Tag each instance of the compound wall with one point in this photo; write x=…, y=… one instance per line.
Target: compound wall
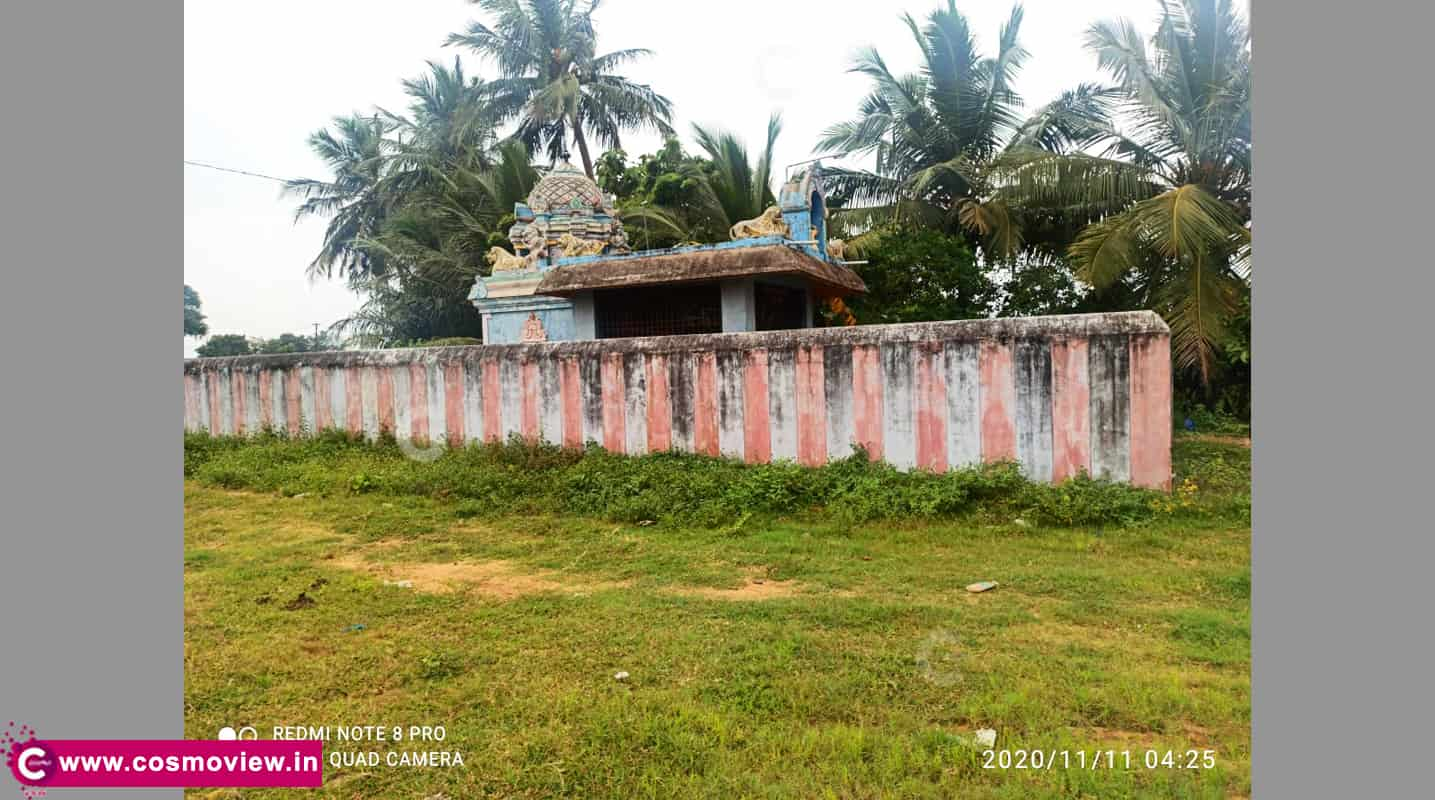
x=1058, y=394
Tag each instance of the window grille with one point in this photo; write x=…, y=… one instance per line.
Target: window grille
x=658, y=310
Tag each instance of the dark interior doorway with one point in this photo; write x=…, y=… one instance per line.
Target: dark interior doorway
x=780, y=308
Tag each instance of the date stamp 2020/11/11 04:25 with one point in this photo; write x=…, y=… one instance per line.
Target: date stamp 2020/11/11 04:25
x=1098, y=759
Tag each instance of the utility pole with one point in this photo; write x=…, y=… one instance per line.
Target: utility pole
x=316, y=336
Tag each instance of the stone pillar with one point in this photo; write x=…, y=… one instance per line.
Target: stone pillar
x=739, y=306
x=585, y=317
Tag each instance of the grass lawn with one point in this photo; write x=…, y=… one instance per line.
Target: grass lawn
x=781, y=657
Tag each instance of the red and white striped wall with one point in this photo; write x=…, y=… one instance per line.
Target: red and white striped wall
x=1057, y=394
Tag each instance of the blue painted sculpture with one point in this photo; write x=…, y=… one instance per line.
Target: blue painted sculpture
x=571, y=269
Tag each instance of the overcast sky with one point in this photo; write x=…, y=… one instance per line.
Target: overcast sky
x=260, y=76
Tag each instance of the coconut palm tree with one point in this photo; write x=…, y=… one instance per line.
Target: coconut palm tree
x=437, y=240
x=742, y=190
x=446, y=157
x=438, y=163
x=554, y=82
x=716, y=193
x=1168, y=197
x=418, y=199
x=449, y=128
x=445, y=231
x=938, y=135
x=447, y=186
x=356, y=152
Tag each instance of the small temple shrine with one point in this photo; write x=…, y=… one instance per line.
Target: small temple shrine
x=572, y=276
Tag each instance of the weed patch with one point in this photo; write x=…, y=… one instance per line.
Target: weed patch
x=1213, y=637
x=486, y=479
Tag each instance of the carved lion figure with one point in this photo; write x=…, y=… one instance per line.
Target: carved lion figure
x=618, y=239
x=835, y=249
x=573, y=246
x=504, y=261
x=769, y=224
x=537, y=243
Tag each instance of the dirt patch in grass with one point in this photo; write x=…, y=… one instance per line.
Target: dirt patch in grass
x=505, y=580
x=1219, y=438
x=755, y=587
x=300, y=602
x=1117, y=738
x=498, y=579
x=315, y=648
x=752, y=590
x=1191, y=734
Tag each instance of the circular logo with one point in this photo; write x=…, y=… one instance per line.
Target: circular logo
x=34, y=763
x=428, y=453
x=938, y=658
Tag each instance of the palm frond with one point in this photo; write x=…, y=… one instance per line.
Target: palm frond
x=1120, y=50
x=1201, y=297
x=992, y=221
x=863, y=187
x=1085, y=188
x=740, y=187
x=999, y=114
x=611, y=61
x=1106, y=250
x=639, y=220
x=863, y=134
x=1076, y=118
x=762, y=195
x=1188, y=222
x=853, y=222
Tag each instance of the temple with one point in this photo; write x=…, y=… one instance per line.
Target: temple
x=572, y=276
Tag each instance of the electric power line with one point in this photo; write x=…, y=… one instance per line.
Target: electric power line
x=235, y=171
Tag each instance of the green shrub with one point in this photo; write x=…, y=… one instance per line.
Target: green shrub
x=1085, y=501
x=518, y=477
x=362, y=483
x=1204, y=420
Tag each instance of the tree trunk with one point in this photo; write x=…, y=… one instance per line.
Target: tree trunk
x=583, y=148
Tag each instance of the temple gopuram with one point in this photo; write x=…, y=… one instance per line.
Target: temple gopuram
x=572, y=276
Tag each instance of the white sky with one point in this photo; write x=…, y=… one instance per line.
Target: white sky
x=259, y=77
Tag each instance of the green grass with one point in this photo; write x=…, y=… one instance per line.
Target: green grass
x=858, y=667
x=682, y=489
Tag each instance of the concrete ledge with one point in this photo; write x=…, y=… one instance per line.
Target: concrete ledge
x=1067, y=325
x=1058, y=395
